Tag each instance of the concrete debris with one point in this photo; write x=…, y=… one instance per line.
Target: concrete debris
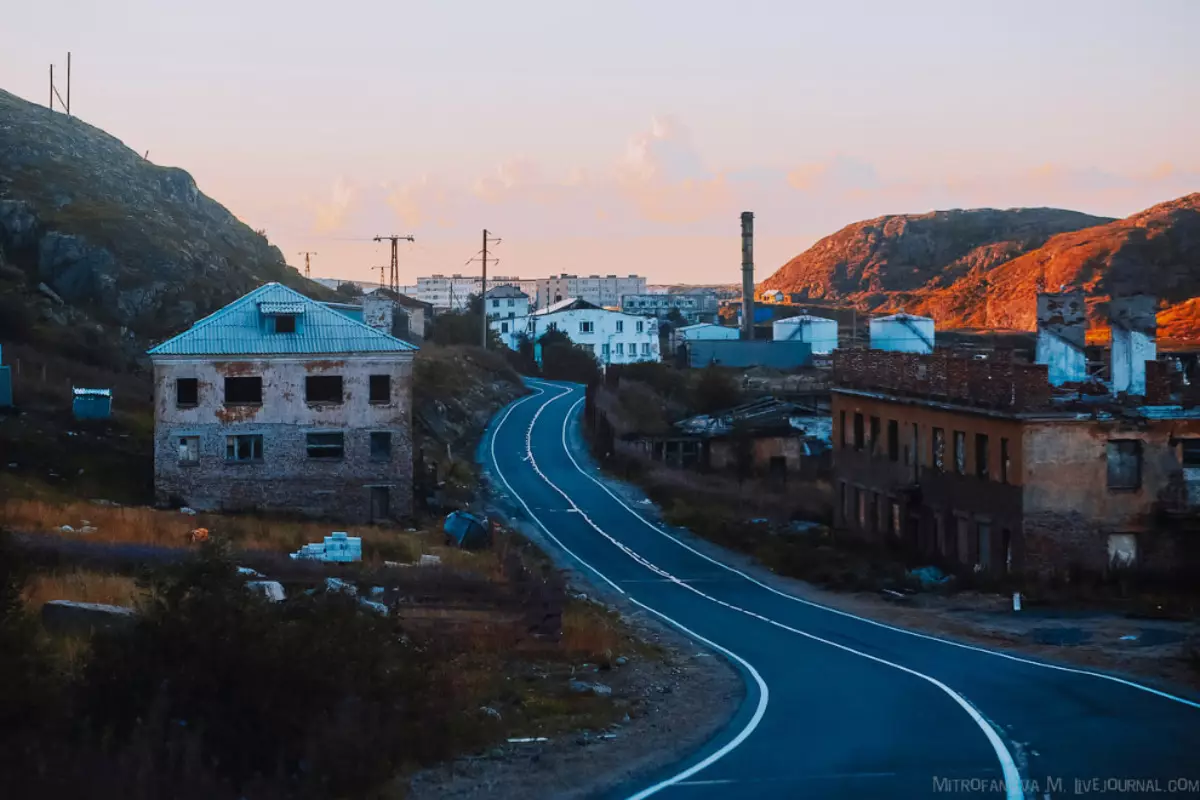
x=191, y=512
x=272, y=590
x=429, y=561
x=339, y=585
x=379, y=608
x=528, y=740
x=70, y=617
x=67, y=529
x=337, y=547
x=253, y=573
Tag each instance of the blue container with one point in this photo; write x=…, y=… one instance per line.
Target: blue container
x=92, y=403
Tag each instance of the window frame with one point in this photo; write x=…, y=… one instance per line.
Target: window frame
x=587, y=326
x=289, y=326
x=983, y=454
x=325, y=452
x=180, y=439
x=960, y=452
x=373, y=383
x=233, y=447
x=373, y=452
x=1137, y=447
x=237, y=380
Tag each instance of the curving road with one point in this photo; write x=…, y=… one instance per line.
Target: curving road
x=837, y=705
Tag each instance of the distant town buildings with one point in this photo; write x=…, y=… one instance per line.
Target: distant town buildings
x=696, y=305
x=279, y=402
x=605, y=291
x=506, y=302
x=613, y=337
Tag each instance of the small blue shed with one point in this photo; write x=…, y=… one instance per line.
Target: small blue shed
x=5, y=383
x=92, y=403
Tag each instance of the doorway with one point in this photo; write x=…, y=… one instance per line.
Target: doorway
x=380, y=503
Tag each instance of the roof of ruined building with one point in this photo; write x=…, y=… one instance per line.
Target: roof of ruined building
x=238, y=329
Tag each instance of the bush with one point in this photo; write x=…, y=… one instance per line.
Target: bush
x=569, y=362
x=714, y=391
x=315, y=696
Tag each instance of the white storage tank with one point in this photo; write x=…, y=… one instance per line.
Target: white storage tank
x=904, y=333
x=820, y=333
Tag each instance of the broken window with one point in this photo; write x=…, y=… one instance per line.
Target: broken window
x=939, y=449
x=585, y=326
x=960, y=452
x=858, y=431
x=243, y=391
x=894, y=528
x=381, y=389
x=326, y=445
x=244, y=447
x=189, y=449
x=860, y=500
x=874, y=442
x=187, y=392
x=981, y=455
x=381, y=446
x=1189, y=452
x=323, y=388
x=916, y=445
x=842, y=429
x=285, y=323
x=1124, y=464
x=1004, y=464
x=893, y=440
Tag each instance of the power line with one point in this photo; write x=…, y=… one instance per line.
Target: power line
x=307, y=268
x=394, y=283
x=483, y=259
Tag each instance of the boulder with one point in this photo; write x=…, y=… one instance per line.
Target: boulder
x=68, y=617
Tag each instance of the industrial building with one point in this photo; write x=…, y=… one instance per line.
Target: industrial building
x=985, y=465
x=278, y=402
x=820, y=333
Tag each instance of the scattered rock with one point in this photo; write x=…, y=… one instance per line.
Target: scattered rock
x=584, y=687
x=272, y=590
x=70, y=617
x=374, y=605
x=339, y=585
x=488, y=711
x=621, y=661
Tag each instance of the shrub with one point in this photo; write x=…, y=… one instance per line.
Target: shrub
x=714, y=390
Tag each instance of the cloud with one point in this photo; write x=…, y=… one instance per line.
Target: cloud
x=837, y=174
x=331, y=215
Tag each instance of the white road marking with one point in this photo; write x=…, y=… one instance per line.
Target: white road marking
x=867, y=620
x=763, y=692
x=1012, y=778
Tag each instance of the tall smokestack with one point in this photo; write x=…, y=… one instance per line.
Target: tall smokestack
x=748, y=275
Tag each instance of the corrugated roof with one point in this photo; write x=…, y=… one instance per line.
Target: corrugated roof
x=272, y=307
x=239, y=329
x=570, y=303
x=804, y=318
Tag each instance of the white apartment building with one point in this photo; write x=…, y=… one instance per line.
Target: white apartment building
x=506, y=302
x=605, y=291
x=613, y=337
x=447, y=291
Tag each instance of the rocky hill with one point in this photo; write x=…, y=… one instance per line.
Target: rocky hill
x=1156, y=251
x=867, y=263
x=95, y=238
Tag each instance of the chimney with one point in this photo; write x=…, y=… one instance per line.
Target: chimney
x=1134, y=325
x=748, y=275
x=1061, y=336
x=379, y=311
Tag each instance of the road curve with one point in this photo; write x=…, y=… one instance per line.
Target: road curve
x=837, y=705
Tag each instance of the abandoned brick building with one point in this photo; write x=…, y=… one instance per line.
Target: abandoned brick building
x=984, y=464
x=279, y=402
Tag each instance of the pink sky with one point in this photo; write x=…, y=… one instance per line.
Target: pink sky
x=621, y=136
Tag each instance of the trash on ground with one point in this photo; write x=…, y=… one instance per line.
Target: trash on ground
x=429, y=561
x=253, y=573
x=930, y=576
x=376, y=606
x=272, y=590
x=339, y=585
x=191, y=512
x=337, y=547
x=528, y=739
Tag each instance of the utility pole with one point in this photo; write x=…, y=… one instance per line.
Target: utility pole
x=381, y=268
x=66, y=104
x=307, y=267
x=394, y=279
x=483, y=259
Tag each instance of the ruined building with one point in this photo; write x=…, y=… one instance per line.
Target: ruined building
x=983, y=463
x=278, y=402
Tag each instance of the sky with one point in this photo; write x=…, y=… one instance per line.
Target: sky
x=625, y=137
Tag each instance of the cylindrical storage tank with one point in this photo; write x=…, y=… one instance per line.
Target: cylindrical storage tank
x=820, y=333
x=905, y=333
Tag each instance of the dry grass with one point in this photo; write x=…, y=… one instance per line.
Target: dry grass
x=82, y=586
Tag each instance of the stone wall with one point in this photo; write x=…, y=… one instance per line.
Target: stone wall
x=286, y=478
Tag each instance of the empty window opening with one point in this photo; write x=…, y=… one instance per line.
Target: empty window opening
x=983, y=531
x=244, y=447
x=1124, y=464
x=893, y=440
x=243, y=391
x=939, y=449
x=858, y=431
x=285, y=323
x=381, y=446
x=874, y=441
x=189, y=449
x=981, y=455
x=187, y=392
x=843, y=438
x=963, y=539
x=323, y=388
x=381, y=389
x=326, y=445
x=1005, y=465
x=1189, y=452
x=960, y=452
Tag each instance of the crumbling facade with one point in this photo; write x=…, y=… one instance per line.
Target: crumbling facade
x=277, y=402
x=978, y=463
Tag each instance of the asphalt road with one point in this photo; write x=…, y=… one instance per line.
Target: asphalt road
x=837, y=705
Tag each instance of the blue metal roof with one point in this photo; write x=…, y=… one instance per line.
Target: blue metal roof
x=243, y=328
